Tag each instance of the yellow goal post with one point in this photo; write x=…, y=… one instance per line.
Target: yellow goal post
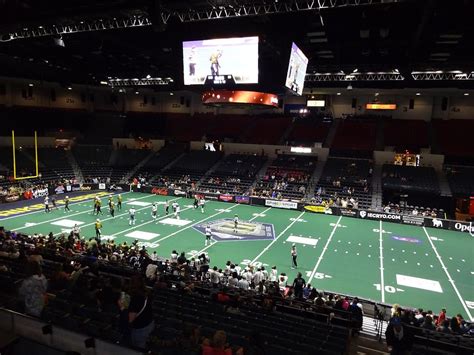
x=15, y=177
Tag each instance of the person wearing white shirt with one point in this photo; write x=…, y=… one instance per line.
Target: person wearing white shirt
x=274, y=274
x=233, y=280
x=257, y=277
x=243, y=284
x=264, y=273
x=174, y=257
x=215, y=276
x=282, y=281
x=154, y=256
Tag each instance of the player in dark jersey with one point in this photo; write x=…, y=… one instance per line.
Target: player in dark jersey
x=112, y=208
x=53, y=202
x=167, y=207
x=66, y=204
x=196, y=202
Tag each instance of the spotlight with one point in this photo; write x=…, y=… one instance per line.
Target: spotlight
x=30, y=85
x=69, y=88
x=466, y=94
x=148, y=76
x=349, y=87
x=418, y=94
x=339, y=94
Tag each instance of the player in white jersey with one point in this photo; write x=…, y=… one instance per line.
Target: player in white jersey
x=46, y=204
x=154, y=210
x=176, y=211
x=208, y=234
x=131, y=216
x=202, y=203
x=236, y=223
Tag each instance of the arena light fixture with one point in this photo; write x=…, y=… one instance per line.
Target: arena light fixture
x=466, y=94
x=356, y=75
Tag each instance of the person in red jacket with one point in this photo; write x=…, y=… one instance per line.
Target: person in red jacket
x=441, y=317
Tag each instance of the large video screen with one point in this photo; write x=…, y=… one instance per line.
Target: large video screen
x=221, y=61
x=296, y=70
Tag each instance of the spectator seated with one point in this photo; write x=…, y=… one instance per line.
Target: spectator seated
x=235, y=174
x=345, y=182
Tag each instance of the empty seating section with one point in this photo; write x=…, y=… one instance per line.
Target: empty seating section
x=94, y=161
x=455, y=137
x=287, y=177
x=348, y=178
x=355, y=134
x=235, y=173
x=266, y=130
x=123, y=160
x=56, y=164
x=160, y=160
x=461, y=180
x=308, y=131
x=406, y=134
x=190, y=168
x=410, y=178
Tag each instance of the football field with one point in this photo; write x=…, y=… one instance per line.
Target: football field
x=384, y=262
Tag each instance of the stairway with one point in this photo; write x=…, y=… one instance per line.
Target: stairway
x=376, y=187
x=313, y=181
x=166, y=167
x=210, y=171
x=261, y=173
x=75, y=167
x=132, y=172
x=444, y=187
x=331, y=133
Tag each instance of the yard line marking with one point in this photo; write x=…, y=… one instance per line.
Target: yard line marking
x=250, y=220
x=42, y=210
x=382, y=281
x=69, y=215
x=192, y=225
x=121, y=214
x=448, y=275
x=279, y=235
x=324, y=250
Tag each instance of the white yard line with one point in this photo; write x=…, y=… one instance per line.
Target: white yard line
x=324, y=250
x=121, y=214
x=250, y=220
x=192, y=225
x=73, y=214
x=278, y=237
x=382, y=281
x=449, y=276
x=42, y=209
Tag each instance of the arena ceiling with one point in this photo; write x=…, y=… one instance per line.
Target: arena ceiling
x=133, y=39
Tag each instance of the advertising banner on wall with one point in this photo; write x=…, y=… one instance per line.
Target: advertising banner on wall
x=282, y=204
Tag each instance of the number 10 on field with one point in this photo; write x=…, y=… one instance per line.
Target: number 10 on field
x=388, y=288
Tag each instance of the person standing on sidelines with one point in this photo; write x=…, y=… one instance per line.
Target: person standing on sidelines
x=236, y=223
x=98, y=229
x=208, y=234
x=66, y=204
x=167, y=207
x=177, y=210
x=53, y=202
x=294, y=256
x=131, y=216
x=119, y=202
x=46, y=205
x=202, y=203
x=154, y=210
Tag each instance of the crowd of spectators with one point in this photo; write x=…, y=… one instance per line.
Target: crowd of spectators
x=413, y=210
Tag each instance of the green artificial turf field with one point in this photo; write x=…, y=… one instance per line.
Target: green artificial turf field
x=387, y=262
